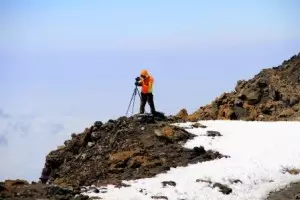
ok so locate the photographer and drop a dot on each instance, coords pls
(146, 82)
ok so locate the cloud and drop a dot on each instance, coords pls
(25, 141)
(3, 114)
(3, 140)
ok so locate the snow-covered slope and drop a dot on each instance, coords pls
(259, 152)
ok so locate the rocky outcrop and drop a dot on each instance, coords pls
(271, 95)
(182, 114)
(122, 149)
(20, 189)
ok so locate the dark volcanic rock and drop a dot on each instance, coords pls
(223, 188)
(159, 197)
(168, 183)
(122, 149)
(214, 134)
(17, 190)
(82, 197)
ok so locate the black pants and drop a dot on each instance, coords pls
(147, 97)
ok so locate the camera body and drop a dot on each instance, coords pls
(137, 80)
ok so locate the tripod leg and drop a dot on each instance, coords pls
(130, 102)
(137, 91)
(133, 102)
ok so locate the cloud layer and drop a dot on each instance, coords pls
(26, 140)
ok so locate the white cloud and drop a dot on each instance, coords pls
(4, 115)
(26, 140)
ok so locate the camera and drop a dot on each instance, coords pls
(137, 79)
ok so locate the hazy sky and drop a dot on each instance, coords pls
(65, 64)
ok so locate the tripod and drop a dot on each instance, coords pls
(132, 100)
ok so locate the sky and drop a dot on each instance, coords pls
(65, 64)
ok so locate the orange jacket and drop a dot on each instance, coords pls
(147, 84)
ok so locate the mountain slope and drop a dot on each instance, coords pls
(271, 95)
(126, 148)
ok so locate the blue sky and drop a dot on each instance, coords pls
(69, 63)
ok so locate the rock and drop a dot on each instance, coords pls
(82, 197)
(292, 171)
(293, 101)
(2, 188)
(120, 159)
(145, 119)
(183, 114)
(275, 95)
(159, 197)
(120, 185)
(253, 97)
(238, 103)
(95, 136)
(286, 113)
(172, 134)
(108, 126)
(158, 133)
(213, 134)
(144, 191)
(297, 196)
(198, 125)
(55, 190)
(87, 138)
(266, 110)
(168, 183)
(98, 124)
(137, 161)
(262, 82)
(96, 191)
(240, 84)
(235, 181)
(239, 112)
(296, 108)
(199, 151)
(203, 181)
(90, 144)
(223, 188)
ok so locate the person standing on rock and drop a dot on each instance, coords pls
(145, 81)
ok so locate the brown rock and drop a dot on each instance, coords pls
(287, 113)
(172, 133)
(296, 108)
(253, 97)
(292, 171)
(137, 161)
(293, 100)
(121, 156)
(198, 125)
(183, 114)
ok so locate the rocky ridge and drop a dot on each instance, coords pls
(271, 95)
